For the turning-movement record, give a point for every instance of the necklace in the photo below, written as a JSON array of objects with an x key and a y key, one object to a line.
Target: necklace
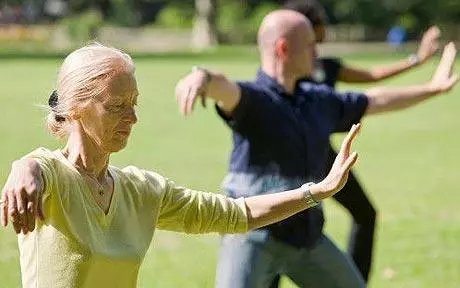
[{"x": 100, "y": 187}]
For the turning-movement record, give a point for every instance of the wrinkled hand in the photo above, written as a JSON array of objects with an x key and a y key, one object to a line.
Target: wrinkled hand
[
  {"x": 338, "y": 174},
  {"x": 189, "y": 88},
  {"x": 429, "y": 44},
  {"x": 443, "y": 80},
  {"x": 21, "y": 196}
]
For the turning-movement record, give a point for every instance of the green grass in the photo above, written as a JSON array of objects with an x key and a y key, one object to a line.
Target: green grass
[{"x": 409, "y": 165}]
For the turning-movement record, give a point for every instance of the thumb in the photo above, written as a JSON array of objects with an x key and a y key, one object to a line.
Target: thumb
[
  {"x": 351, "y": 160},
  {"x": 450, "y": 83}
]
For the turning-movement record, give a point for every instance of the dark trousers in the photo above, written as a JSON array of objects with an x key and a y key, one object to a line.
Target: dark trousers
[{"x": 361, "y": 241}]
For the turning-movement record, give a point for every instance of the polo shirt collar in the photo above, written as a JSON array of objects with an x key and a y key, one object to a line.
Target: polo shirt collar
[{"x": 266, "y": 81}]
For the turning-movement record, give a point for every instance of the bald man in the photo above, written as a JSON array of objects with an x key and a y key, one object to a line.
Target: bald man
[{"x": 281, "y": 133}]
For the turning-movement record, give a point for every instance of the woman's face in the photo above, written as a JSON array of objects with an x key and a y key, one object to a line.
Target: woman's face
[{"x": 107, "y": 121}]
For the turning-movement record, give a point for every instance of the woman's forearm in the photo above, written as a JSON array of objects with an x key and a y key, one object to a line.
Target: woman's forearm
[{"x": 266, "y": 209}]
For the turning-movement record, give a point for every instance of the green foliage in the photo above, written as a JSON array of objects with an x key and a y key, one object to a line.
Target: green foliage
[
  {"x": 175, "y": 16},
  {"x": 258, "y": 15},
  {"x": 408, "y": 21},
  {"x": 84, "y": 26},
  {"x": 417, "y": 14},
  {"x": 231, "y": 17},
  {"x": 237, "y": 23},
  {"x": 125, "y": 13}
]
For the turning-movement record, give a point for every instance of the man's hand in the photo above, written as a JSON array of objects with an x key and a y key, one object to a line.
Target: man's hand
[
  {"x": 189, "y": 88},
  {"x": 429, "y": 44}
]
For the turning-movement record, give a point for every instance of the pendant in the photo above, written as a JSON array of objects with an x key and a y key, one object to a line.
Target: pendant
[{"x": 101, "y": 192}]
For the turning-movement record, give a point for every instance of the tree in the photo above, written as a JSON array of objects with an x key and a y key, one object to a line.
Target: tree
[{"x": 204, "y": 34}]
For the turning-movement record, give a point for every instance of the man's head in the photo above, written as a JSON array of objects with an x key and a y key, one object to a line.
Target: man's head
[
  {"x": 314, "y": 12},
  {"x": 287, "y": 41}
]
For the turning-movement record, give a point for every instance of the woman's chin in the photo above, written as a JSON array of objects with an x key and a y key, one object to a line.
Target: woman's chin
[{"x": 118, "y": 145}]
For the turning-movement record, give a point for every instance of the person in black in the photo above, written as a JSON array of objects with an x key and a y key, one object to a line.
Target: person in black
[{"x": 329, "y": 71}]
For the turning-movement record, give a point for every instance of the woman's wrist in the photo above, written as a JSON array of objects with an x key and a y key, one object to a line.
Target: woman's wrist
[{"x": 310, "y": 194}]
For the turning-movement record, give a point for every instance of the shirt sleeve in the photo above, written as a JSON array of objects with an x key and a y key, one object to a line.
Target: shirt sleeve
[
  {"x": 332, "y": 67},
  {"x": 44, "y": 159},
  {"x": 248, "y": 109},
  {"x": 186, "y": 210},
  {"x": 332, "y": 63},
  {"x": 342, "y": 108},
  {"x": 347, "y": 108}
]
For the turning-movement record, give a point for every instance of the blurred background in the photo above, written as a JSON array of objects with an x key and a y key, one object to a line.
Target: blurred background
[
  {"x": 409, "y": 160},
  {"x": 159, "y": 25}
]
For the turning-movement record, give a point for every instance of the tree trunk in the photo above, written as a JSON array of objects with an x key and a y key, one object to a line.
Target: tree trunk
[{"x": 204, "y": 28}]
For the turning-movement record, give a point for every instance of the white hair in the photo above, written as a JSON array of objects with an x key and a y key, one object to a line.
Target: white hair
[{"x": 83, "y": 76}]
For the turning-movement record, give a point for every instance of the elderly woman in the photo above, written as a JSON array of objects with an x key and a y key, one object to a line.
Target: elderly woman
[{"x": 95, "y": 221}]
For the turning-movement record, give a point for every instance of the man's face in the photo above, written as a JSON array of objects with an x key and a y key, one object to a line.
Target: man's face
[{"x": 303, "y": 51}]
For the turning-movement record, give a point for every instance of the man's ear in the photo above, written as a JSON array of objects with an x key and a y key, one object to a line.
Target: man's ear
[{"x": 281, "y": 48}]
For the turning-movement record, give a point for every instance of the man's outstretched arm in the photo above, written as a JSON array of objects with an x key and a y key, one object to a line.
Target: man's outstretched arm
[{"x": 383, "y": 99}]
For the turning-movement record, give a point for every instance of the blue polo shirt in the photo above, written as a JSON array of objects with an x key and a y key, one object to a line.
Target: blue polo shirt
[{"x": 280, "y": 141}]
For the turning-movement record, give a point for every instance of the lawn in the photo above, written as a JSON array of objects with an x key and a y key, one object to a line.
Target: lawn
[{"x": 409, "y": 165}]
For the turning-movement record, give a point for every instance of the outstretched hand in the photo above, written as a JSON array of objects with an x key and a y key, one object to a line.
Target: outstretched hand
[
  {"x": 443, "y": 80},
  {"x": 338, "y": 174},
  {"x": 189, "y": 88},
  {"x": 429, "y": 44}
]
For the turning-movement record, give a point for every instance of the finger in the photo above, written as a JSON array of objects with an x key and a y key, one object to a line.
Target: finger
[
  {"x": 434, "y": 31},
  {"x": 4, "y": 207},
  {"x": 13, "y": 213},
  {"x": 431, "y": 34},
  {"x": 17, "y": 226},
  {"x": 446, "y": 63},
  {"x": 183, "y": 102},
  {"x": 449, "y": 53},
  {"x": 178, "y": 91},
  {"x": 30, "y": 216},
  {"x": 22, "y": 209},
  {"x": 350, "y": 162},
  {"x": 191, "y": 98},
  {"x": 453, "y": 80},
  {"x": 203, "y": 101},
  {"x": 346, "y": 143},
  {"x": 190, "y": 102}
]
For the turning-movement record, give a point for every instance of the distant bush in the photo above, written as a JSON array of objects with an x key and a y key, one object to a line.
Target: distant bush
[
  {"x": 231, "y": 18},
  {"x": 236, "y": 21},
  {"x": 256, "y": 17},
  {"x": 239, "y": 24},
  {"x": 175, "y": 16},
  {"x": 84, "y": 26}
]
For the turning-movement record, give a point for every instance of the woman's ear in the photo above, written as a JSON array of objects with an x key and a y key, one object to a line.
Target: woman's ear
[{"x": 74, "y": 116}]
